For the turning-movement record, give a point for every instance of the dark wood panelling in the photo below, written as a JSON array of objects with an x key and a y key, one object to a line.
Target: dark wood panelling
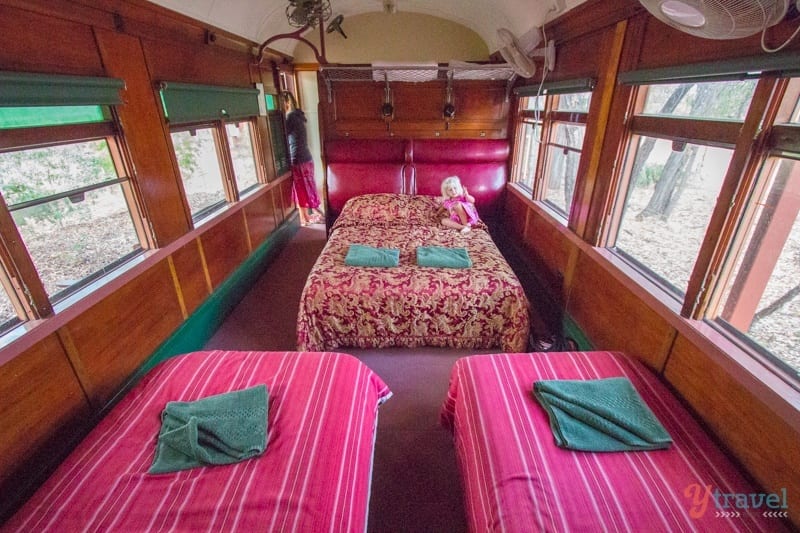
[
  {"x": 667, "y": 46},
  {"x": 204, "y": 64},
  {"x": 286, "y": 198},
  {"x": 591, "y": 16},
  {"x": 763, "y": 442},
  {"x": 481, "y": 110},
  {"x": 516, "y": 214},
  {"x": 145, "y": 136},
  {"x": 578, "y": 59},
  {"x": 225, "y": 247},
  {"x": 553, "y": 251},
  {"x": 190, "y": 273},
  {"x": 261, "y": 218},
  {"x": 31, "y": 42},
  {"x": 43, "y": 410},
  {"x": 613, "y": 317},
  {"x": 116, "y": 335}
]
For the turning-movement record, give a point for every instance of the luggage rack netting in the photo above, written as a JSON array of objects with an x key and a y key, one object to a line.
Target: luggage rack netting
[{"x": 416, "y": 74}]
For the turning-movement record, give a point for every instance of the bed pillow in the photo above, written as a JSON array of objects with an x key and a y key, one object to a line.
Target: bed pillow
[{"x": 389, "y": 209}]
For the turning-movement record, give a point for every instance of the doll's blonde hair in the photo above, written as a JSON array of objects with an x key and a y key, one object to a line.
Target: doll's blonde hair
[{"x": 452, "y": 179}]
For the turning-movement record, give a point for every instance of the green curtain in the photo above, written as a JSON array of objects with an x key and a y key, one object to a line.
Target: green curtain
[{"x": 184, "y": 102}]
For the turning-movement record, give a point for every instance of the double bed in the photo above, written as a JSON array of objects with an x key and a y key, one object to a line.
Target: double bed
[
  {"x": 482, "y": 306},
  {"x": 313, "y": 475},
  {"x": 517, "y": 479}
]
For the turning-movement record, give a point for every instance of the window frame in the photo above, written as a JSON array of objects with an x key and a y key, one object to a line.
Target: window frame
[
  {"x": 18, "y": 275},
  {"x": 548, "y": 118}
]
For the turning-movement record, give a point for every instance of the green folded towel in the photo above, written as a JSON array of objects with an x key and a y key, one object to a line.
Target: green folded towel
[
  {"x": 441, "y": 257},
  {"x": 217, "y": 430},
  {"x": 369, "y": 256},
  {"x": 602, "y": 415}
]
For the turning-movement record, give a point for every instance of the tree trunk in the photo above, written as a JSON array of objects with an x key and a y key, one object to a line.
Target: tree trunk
[{"x": 677, "y": 170}]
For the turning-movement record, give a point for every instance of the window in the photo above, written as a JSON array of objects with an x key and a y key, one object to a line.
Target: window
[
  {"x": 549, "y": 142},
  {"x": 200, "y": 168},
  {"x": 529, "y": 135},
  {"x": 71, "y": 211},
  {"x": 675, "y": 165},
  {"x": 761, "y": 291},
  {"x": 212, "y": 135},
  {"x": 240, "y": 140},
  {"x": 66, "y": 194},
  {"x": 669, "y": 201}
]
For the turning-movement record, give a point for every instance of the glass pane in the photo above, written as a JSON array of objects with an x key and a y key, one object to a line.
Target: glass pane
[
  {"x": 569, "y": 135},
  {"x": 527, "y": 154},
  {"x": 73, "y": 238},
  {"x": 8, "y": 316},
  {"x": 578, "y": 102},
  {"x": 200, "y": 169},
  {"x": 33, "y": 174},
  {"x": 560, "y": 184},
  {"x": 721, "y": 100},
  {"x": 244, "y": 163},
  {"x": 530, "y": 103},
  {"x": 29, "y": 117},
  {"x": 668, "y": 205},
  {"x": 762, "y": 299}
]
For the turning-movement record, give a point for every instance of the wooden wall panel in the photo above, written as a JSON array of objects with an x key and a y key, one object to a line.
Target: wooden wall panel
[
  {"x": 286, "y": 198},
  {"x": 516, "y": 215},
  {"x": 116, "y": 335},
  {"x": 146, "y": 137},
  {"x": 261, "y": 218},
  {"x": 225, "y": 247},
  {"x": 191, "y": 275},
  {"x": 32, "y": 42},
  {"x": 577, "y": 60},
  {"x": 544, "y": 236},
  {"x": 667, "y": 46},
  {"x": 481, "y": 110},
  {"x": 43, "y": 410},
  {"x": 613, "y": 317},
  {"x": 763, "y": 442},
  {"x": 203, "y": 64}
]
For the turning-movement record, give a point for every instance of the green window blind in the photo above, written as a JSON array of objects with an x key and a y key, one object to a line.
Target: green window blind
[
  {"x": 557, "y": 87},
  {"x": 785, "y": 64},
  {"x": 184, "y": 102},
  {"x": 28, "y": 90},
  {"x": 32, "y": 117}
]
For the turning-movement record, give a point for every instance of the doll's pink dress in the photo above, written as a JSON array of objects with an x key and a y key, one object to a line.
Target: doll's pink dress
[{"x": 469, "y": 209}]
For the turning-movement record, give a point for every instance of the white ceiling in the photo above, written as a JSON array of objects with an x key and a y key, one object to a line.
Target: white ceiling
[{"x": 259, "y": 20}]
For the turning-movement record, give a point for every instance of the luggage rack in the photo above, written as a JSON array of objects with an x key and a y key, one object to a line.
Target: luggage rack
[{"x": 417, "y": 73}]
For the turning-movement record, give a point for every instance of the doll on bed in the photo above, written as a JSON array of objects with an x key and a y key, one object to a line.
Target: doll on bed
[{"x": 459, "y": 204}]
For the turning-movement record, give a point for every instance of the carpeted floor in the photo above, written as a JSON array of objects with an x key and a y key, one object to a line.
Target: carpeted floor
[{"x": 415, "y": 485}]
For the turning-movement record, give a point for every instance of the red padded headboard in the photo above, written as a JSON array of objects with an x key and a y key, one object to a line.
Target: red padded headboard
[
  {"x": 364, "y": 166},
  {"x": 361, "y": 166},
  {"x": 482, "y": 166}
]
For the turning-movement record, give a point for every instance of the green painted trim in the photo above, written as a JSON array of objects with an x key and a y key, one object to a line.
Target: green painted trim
[{"x": 573, "y": 331}]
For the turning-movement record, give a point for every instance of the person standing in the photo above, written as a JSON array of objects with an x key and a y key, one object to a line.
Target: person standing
[{"x": 304, "y": 189}]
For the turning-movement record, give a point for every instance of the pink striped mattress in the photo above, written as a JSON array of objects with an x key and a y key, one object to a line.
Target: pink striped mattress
[
  {"x": 516, "y": 479},
  {"x": 313, "y": 476}
]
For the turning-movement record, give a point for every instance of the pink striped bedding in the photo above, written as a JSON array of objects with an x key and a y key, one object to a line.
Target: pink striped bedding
[
  {"x": 313, "y": 476},
  {"x": 516, "y": 479}
]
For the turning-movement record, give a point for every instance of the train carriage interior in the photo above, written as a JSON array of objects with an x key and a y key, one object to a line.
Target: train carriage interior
[{"x": 634, "y": 172}]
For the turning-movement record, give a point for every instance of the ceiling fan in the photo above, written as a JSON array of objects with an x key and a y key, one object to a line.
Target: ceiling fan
[{"x": 723, "y": 19}]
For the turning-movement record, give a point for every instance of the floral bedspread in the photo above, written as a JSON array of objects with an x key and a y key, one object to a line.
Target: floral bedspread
[{"x": 482, "y": 307}]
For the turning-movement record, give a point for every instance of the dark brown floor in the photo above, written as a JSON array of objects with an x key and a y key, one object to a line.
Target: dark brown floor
[{"x": 415, "y": 483}]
